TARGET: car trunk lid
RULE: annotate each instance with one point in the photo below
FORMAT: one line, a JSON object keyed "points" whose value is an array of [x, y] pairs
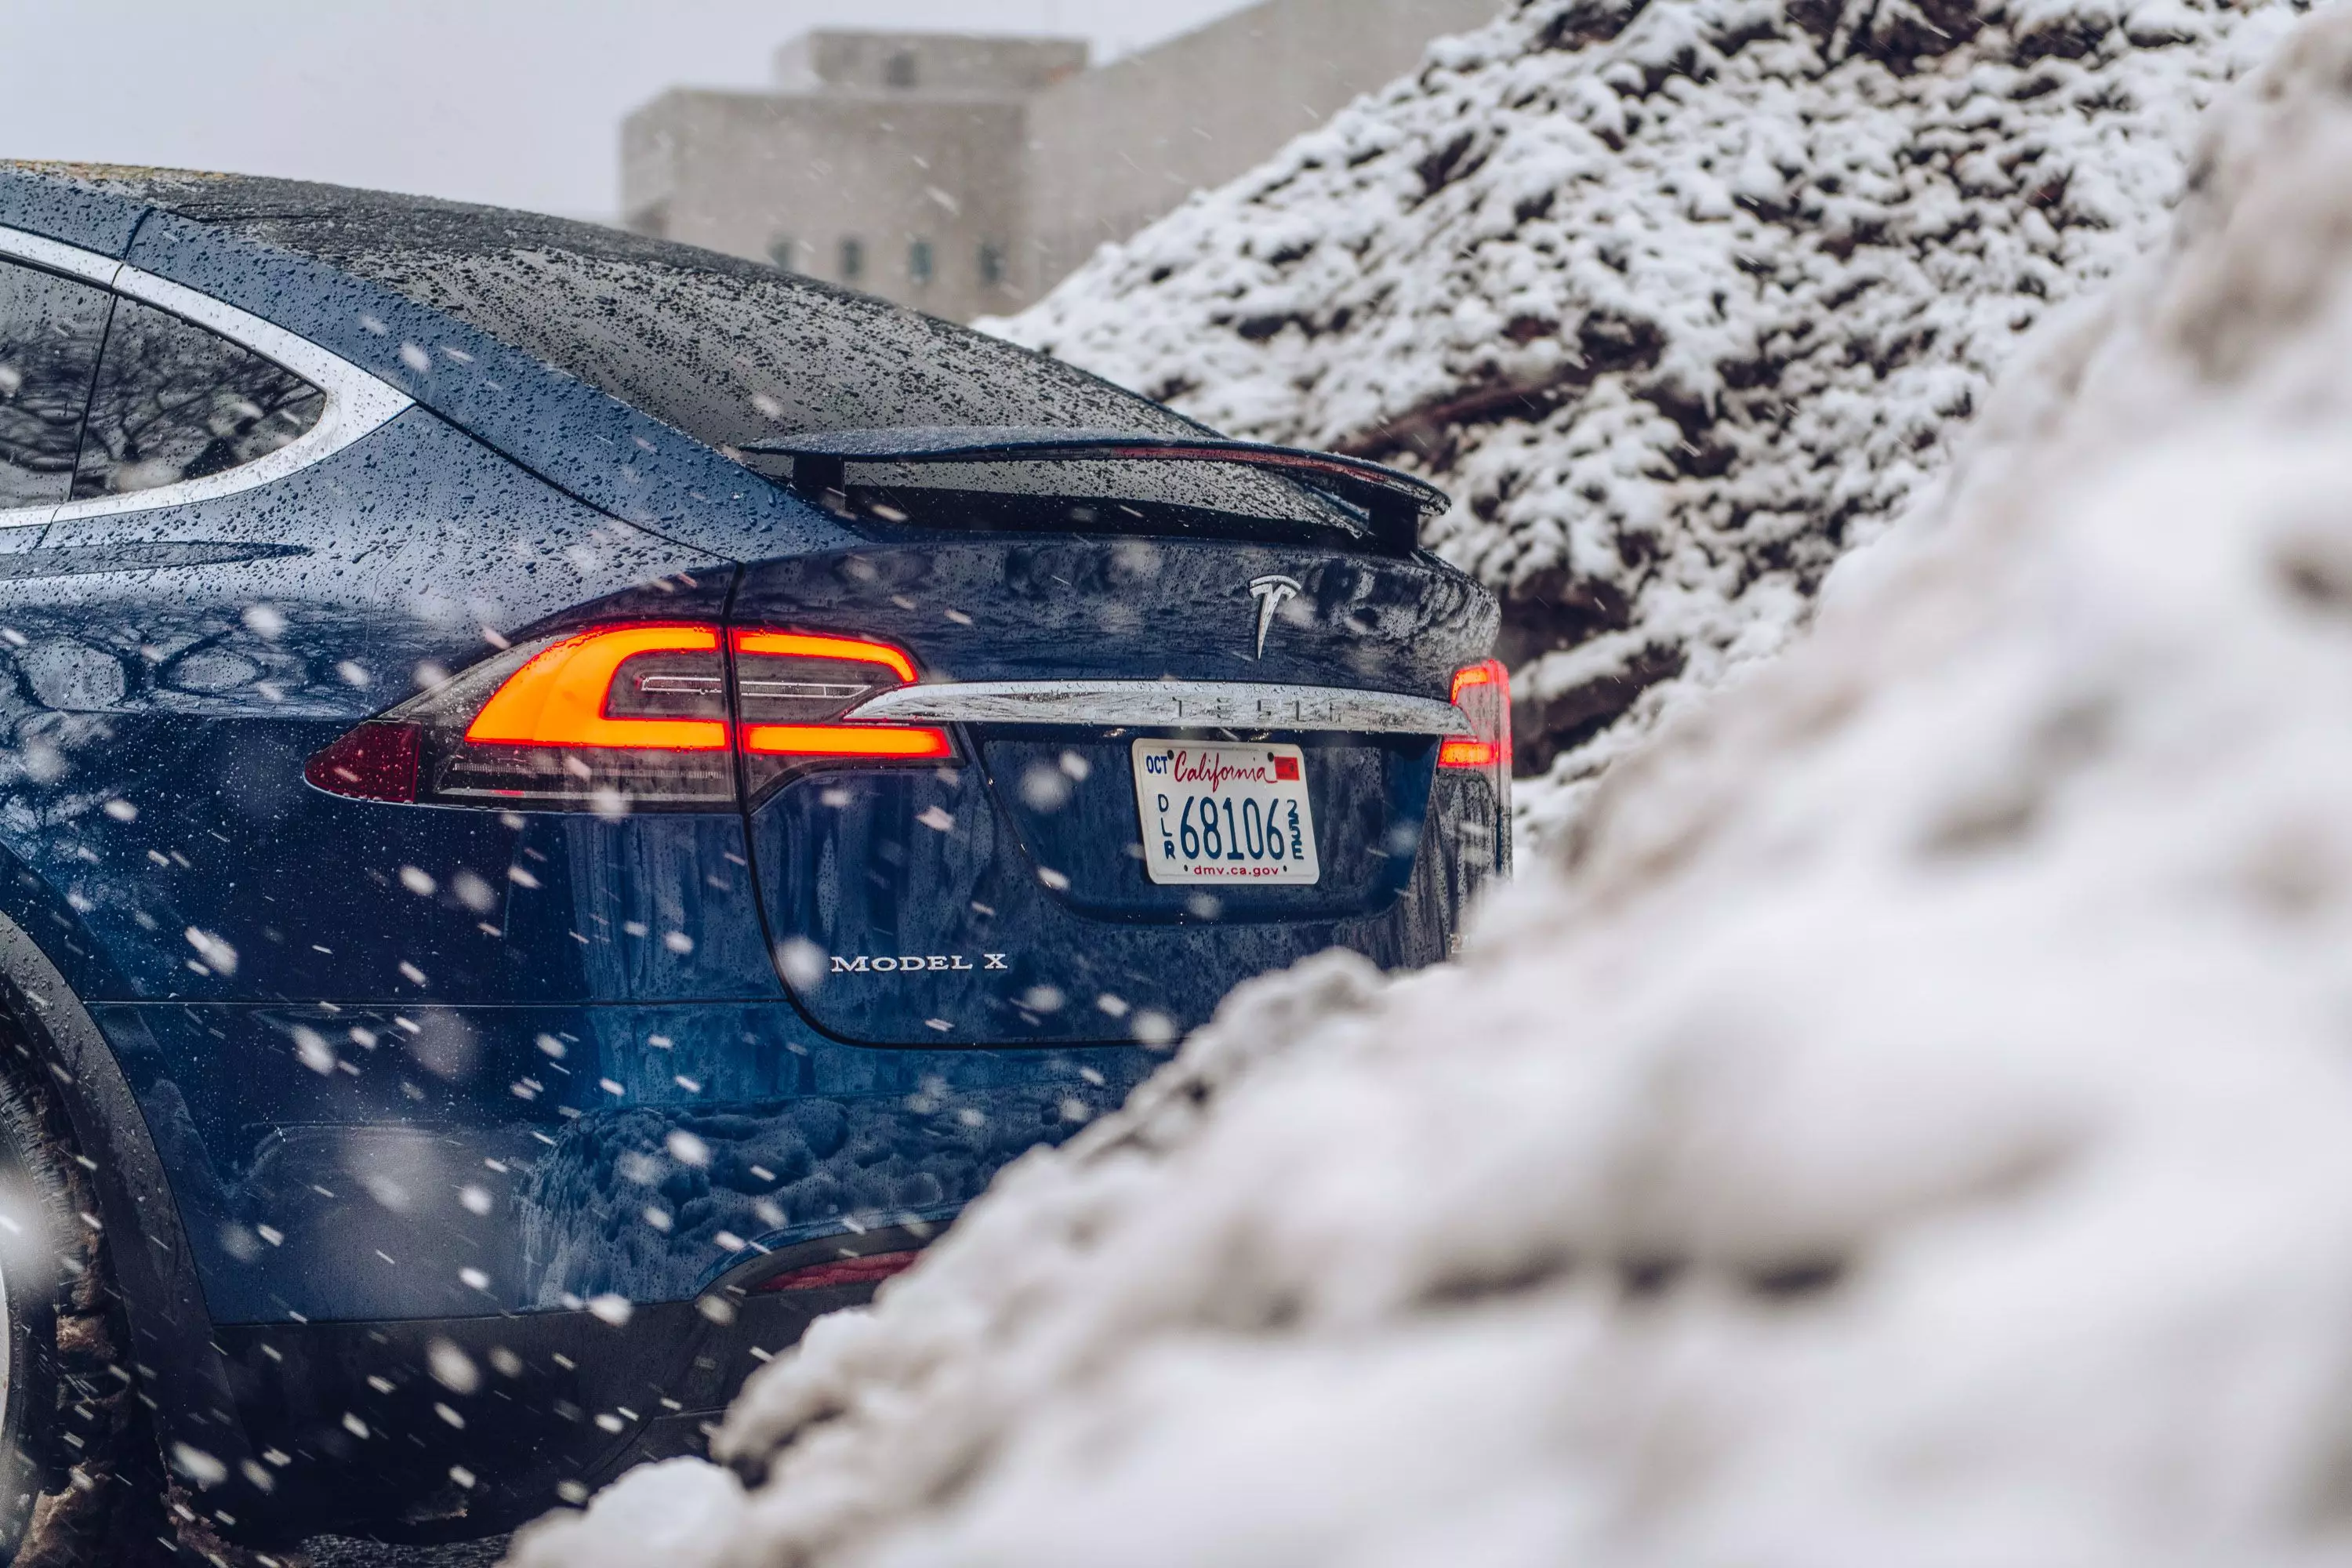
{"points": [[1000, 897]]}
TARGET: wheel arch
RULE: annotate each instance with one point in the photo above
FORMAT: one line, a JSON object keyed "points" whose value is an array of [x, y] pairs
{"points": [[171, 1349]]}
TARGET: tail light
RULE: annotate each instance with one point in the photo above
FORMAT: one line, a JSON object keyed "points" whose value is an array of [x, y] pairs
{"points": [[614, 719], [792, 686], [1482, 692], [872, 1268]]}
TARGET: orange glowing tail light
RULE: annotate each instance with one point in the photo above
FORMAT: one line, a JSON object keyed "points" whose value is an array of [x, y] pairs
{"points": [[618, 718], [562, 697], [790, 684]]}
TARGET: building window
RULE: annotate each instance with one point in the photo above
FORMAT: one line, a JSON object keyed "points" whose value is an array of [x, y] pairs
{"points": [[784, 253], [898, 70], [991, 266], [921, 263], [853, 260]]}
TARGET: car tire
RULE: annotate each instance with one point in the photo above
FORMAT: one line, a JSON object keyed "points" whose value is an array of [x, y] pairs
{"points": [[36, 1211], [81, 1485]]}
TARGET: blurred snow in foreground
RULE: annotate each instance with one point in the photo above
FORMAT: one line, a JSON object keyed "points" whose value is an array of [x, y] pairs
{"points": [[1681, 298], [1912, 1125]]}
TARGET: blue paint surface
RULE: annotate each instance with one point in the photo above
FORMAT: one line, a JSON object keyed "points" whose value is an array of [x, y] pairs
{"points": [[449, 1164]]}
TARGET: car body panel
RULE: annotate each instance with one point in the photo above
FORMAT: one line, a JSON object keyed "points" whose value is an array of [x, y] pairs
{"points": [[56, 202], [456, 1168], [929, 913], [170, 663], [1006, 608], [1019, 869]]}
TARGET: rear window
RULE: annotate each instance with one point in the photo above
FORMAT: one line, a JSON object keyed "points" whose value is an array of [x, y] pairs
{"points": [[733, 353], [734, 358]]}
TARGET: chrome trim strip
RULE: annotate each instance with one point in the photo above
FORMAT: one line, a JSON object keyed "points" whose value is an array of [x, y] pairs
{"points": [[87, 265], [358, 404], [1169, 705]]}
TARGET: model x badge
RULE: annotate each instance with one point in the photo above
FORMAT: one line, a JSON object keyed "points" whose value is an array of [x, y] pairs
{"points": [[1271, 593]]}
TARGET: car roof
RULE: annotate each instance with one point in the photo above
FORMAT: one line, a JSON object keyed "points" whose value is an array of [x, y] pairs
{"points": [[328, 222]]}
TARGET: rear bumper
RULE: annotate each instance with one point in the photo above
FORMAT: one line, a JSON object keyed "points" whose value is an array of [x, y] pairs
{"points": [[1021, 919], [664, 1147], [372, 1164]]}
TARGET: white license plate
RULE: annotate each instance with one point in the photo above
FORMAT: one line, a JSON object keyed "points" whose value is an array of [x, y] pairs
{"points": [[1224, 814]]}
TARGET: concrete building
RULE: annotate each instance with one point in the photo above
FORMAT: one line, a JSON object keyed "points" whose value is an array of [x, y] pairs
{"points": [[967, 175]]}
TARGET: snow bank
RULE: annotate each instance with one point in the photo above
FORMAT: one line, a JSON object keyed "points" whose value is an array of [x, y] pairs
{"points": [[1912, 1125], [1680, 298]]}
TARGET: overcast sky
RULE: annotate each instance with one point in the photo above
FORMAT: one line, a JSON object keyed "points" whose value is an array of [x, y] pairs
{"points": [[516, 103]]}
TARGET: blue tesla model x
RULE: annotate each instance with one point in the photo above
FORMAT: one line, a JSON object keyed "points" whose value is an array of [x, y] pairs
{"points": [[566, 801]]}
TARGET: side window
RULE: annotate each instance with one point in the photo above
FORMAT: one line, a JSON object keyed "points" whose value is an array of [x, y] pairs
{"points": [[49, 331], [174, 402]]}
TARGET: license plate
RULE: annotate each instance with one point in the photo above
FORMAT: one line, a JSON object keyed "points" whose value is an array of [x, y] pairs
{"points": [[1224, 814]]}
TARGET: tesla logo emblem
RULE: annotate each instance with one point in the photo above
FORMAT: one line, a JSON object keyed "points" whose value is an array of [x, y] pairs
{"points": [[1271, 594]]}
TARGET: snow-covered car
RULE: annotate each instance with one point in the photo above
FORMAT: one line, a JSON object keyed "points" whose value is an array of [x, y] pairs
{"points": [[566, 801]]}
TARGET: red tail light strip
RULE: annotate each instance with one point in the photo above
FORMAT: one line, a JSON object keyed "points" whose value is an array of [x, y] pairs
{"points": [[562, 697], [1489, 672], [845, 741], [803, 645], [374, 762], [1482, 691], [845, 1271]]}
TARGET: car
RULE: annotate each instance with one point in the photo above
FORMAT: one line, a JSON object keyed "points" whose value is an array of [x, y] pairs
{"points": [[568, 800]]}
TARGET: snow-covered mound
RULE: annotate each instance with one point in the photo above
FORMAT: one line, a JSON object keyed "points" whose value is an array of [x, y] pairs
{"points": [[1681, 298], [1912, 1125]]}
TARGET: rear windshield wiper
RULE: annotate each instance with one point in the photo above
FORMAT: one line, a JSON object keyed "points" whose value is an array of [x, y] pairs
{"points": [[1395, 502]]}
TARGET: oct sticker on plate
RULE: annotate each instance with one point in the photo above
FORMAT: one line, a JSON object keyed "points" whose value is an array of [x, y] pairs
{"points": [[1224, 814]]}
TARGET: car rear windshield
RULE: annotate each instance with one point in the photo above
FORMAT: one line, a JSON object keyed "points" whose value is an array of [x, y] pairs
{"points": [[733, 358], [733, 354]]}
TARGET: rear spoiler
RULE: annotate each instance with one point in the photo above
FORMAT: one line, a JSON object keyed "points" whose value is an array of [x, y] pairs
{"points": [[1395, 502]]}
